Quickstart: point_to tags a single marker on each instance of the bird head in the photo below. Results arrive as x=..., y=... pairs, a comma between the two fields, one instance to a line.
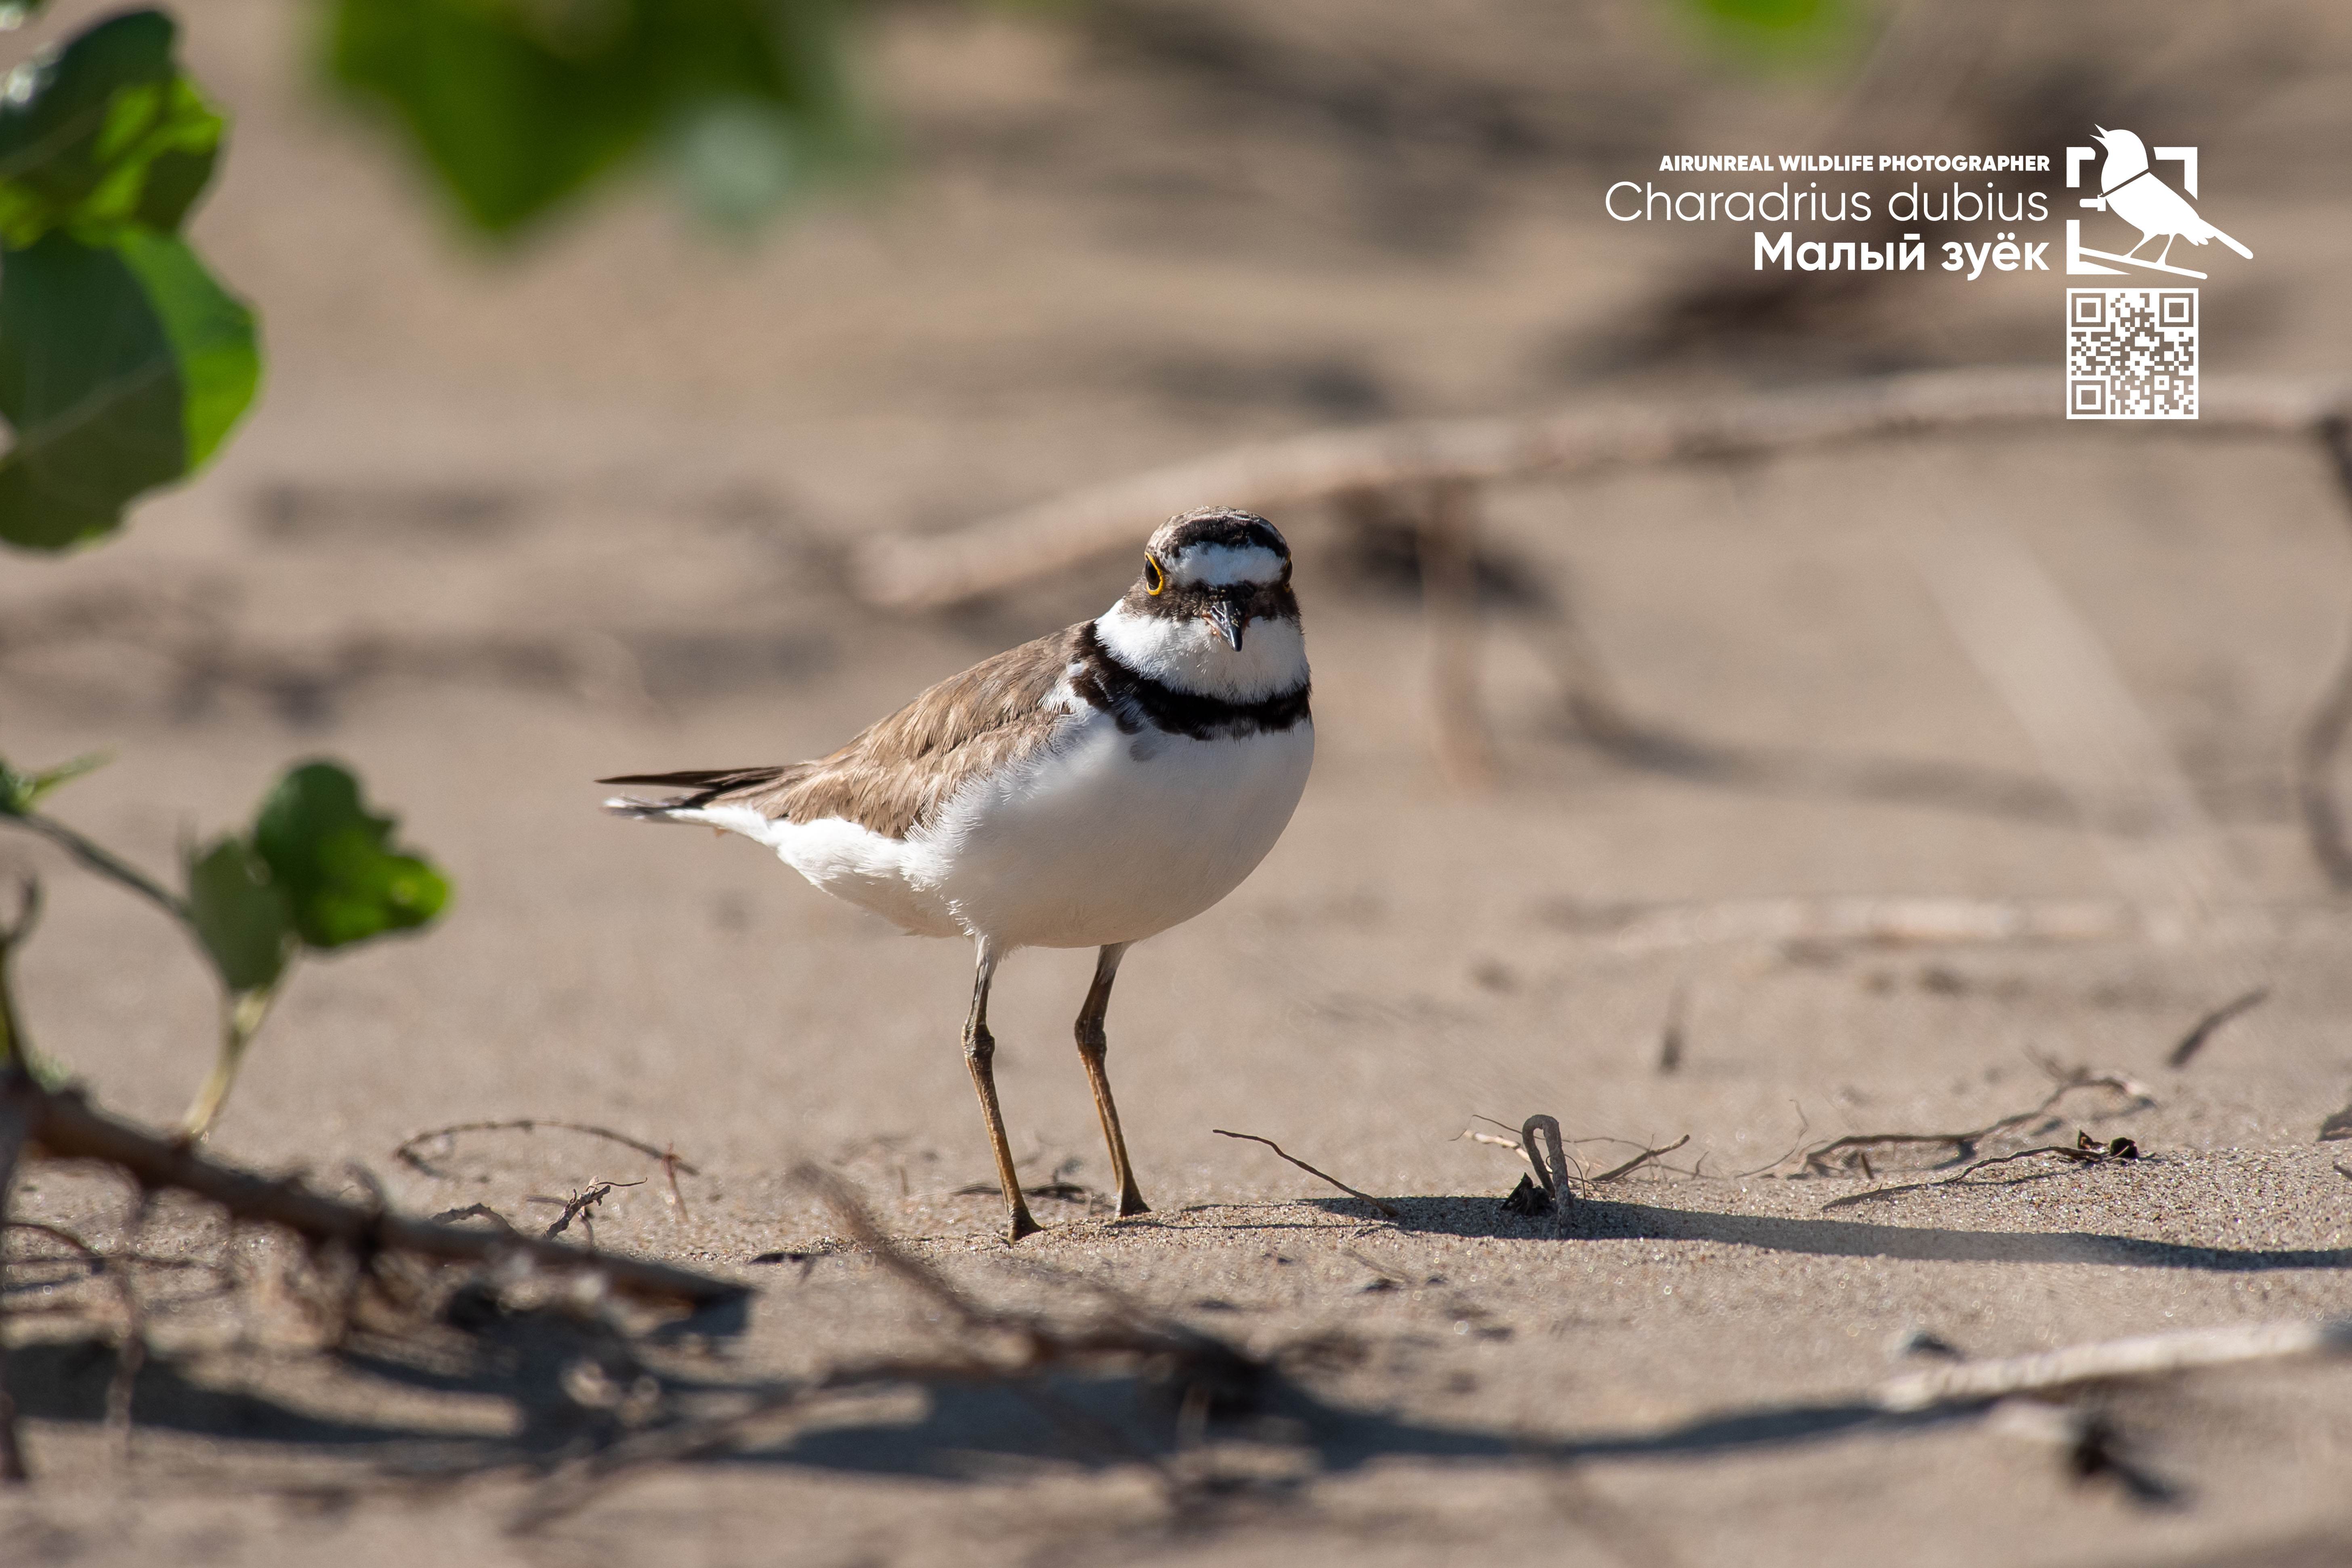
x=1218, y=566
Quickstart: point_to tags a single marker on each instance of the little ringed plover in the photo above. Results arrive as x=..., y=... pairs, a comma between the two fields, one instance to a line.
x=1089, y=789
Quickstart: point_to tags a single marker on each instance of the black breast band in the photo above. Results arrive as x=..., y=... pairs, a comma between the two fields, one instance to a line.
x=1132, y=698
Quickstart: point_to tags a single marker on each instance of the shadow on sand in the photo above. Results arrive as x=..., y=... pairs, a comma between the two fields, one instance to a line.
x=1609, y=1220
x=953, y=1430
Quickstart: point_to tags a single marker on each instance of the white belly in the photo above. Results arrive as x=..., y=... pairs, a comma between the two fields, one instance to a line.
x=1101, y=838
x=1107, y=838
x=889, y=877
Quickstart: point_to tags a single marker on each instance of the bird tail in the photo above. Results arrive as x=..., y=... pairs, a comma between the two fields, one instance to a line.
x=703, y=788
x=641, y=810
x=2231, y=243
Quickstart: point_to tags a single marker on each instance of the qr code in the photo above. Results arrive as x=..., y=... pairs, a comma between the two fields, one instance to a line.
x=2131, y=354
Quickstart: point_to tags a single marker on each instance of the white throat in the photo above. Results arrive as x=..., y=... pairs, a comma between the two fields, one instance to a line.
x=1187, y=655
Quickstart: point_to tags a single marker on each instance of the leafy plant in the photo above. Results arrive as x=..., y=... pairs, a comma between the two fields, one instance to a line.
x=123, y=363
x=516, y=105
x=1803, y=35
x=316, y=871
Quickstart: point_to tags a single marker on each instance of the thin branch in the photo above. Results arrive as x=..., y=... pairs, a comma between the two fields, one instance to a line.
x=2083, y=1152
x=1963, y=1145
x=940, y=569
x=1387, y=1210
x=670, y=1161
x=671, y=1165
x=1200, y=1368
x=1804, y=1128
x=580, y=1206
x=1640, y=1160
x=16, y=1050
x=2322, y=742
x=66, y=1126
x=2205, y=1027
x=1547, y=1157
x=2148, y=1355
x=130, y=1342
x=103, y=861
x=1513, y=1144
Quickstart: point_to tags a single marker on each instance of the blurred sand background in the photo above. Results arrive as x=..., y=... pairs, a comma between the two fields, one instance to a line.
x=503, y=523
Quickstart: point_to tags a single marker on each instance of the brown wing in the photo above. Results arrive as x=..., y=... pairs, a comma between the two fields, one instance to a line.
x=896, y=775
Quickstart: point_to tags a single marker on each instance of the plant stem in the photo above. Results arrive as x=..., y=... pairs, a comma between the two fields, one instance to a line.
x=241, y=1019
x=14, y=1125
x=16, y=1050
x=103, y=861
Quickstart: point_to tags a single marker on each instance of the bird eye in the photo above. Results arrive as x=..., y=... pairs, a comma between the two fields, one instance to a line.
x=1154, y=579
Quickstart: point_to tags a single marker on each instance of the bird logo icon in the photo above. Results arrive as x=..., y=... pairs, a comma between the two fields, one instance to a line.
x=2131, y=189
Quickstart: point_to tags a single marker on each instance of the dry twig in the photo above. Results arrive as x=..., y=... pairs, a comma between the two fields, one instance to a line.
x=580, y=1206
x=1387, y=1210
x=906, y=572
x=2207, y=1027
x=1843, y=1154
x=2083, y=1150
x=1517, y=1146
x=2106, y=1360
x=68, y=1127
x=2324, y=734
x=1640, y=1160
x=667, y=1154
x=1006, y=1348
x=988, y=557
x=407, y=1153
x=1547, y=1193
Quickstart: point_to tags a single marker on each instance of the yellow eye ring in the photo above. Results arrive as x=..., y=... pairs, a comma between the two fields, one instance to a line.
x=1154, y=579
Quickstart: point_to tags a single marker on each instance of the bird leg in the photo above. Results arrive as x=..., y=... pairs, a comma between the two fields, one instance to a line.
x=2167, y=248
x=980, y=1055
x=1092, y=1045
x=2135, y=250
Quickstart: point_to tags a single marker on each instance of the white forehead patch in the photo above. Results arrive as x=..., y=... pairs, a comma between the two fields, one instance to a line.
x=1216, y=565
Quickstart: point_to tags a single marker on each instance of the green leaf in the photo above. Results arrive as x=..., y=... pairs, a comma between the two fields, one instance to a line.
x=121, y=368
x=1804, y=35
x=214, y=345
x=19, y=793
x=105, y=134
x=238, y=915
x=343, y=880
x=517, y=105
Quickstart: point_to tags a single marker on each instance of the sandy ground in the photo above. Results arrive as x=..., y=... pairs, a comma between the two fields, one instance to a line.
x=503, y=525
